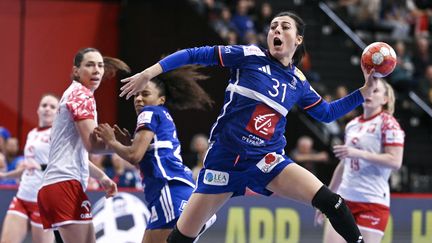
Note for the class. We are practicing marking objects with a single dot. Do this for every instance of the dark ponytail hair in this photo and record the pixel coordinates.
(181, 89)
(112, 65)
(301, 26)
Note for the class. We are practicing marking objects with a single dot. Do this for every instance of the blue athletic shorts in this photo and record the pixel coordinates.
(225, 171)
(166, 209)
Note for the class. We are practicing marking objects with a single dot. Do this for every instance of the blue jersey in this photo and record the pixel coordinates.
(162, 161)
(260, 93)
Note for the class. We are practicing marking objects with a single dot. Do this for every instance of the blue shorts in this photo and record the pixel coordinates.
(166, 209)
(225, 171)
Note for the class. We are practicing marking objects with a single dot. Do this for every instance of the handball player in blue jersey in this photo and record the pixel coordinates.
(156, 149)
(247, 139)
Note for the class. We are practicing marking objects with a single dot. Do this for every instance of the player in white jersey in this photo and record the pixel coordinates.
(23, 208)
(373, 148)
(62, 201)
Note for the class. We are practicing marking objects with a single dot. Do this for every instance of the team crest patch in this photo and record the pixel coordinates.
(216, 178)
(269, 161)
(145, 117)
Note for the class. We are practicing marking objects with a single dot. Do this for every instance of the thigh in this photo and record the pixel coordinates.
(41, 236)
(156, 236)
(296, 183)
(77, 233)
(199, 209)
(14, 228)
(371, 236)
(330, 235)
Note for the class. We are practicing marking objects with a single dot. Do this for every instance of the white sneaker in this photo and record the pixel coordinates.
(207, 225)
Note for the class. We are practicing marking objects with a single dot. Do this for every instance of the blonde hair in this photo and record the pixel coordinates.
(389, 107)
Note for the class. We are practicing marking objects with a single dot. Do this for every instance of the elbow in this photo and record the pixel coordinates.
(134, 158)
(397, 165)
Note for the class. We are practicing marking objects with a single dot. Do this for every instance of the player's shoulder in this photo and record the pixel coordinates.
(299, 74)
(389, 121)
(78, 92)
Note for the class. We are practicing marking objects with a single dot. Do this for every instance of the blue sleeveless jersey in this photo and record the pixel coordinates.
(259, 95)
(162, 161)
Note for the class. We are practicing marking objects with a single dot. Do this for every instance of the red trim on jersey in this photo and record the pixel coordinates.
(91, 117)
(310, 106)
(220, 57)
(42, 128)
(362, 119)
(394, 144)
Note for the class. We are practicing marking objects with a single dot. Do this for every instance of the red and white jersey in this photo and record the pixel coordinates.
(68, 158)
(362, 180)
(36, 150)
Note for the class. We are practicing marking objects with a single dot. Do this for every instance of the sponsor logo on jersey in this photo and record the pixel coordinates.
(265, 69)
(253, 140)
(263, 121)
(168, 116)
(154, 215)
(86, 205)
(145, 117)
(373, 220)
(269, 161)
(252, 51)
(227, 49)
(216, 178)
(394, 136)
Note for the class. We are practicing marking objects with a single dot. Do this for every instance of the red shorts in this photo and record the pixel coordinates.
(370, 216)
(64, 203)
(26, 209)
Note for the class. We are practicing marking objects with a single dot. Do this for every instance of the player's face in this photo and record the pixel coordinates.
(91, 70)
(282, 38)
(149, 96)
(47, 110)
(377, 99)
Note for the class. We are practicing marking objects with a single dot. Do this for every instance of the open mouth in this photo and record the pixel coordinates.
(277, 42)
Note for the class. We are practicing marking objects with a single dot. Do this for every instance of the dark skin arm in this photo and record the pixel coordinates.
(132, 153)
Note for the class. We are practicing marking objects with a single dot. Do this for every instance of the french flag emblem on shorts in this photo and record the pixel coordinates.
(269, 161)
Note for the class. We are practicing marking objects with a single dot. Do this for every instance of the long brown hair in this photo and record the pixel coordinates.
(181, 89)
(112, 65)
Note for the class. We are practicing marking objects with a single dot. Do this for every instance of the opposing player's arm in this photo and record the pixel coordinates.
(13, 173)
(91, 142)
(108, 185)
(391, 157)
(337, 177)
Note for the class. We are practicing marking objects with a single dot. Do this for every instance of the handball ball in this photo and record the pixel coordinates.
(381, 57)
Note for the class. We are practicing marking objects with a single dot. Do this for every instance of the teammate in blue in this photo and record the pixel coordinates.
(247, 139)
(156, 148)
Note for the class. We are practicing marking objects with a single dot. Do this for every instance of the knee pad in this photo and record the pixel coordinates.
(334, 207)
(177, 237)
(329, 203)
